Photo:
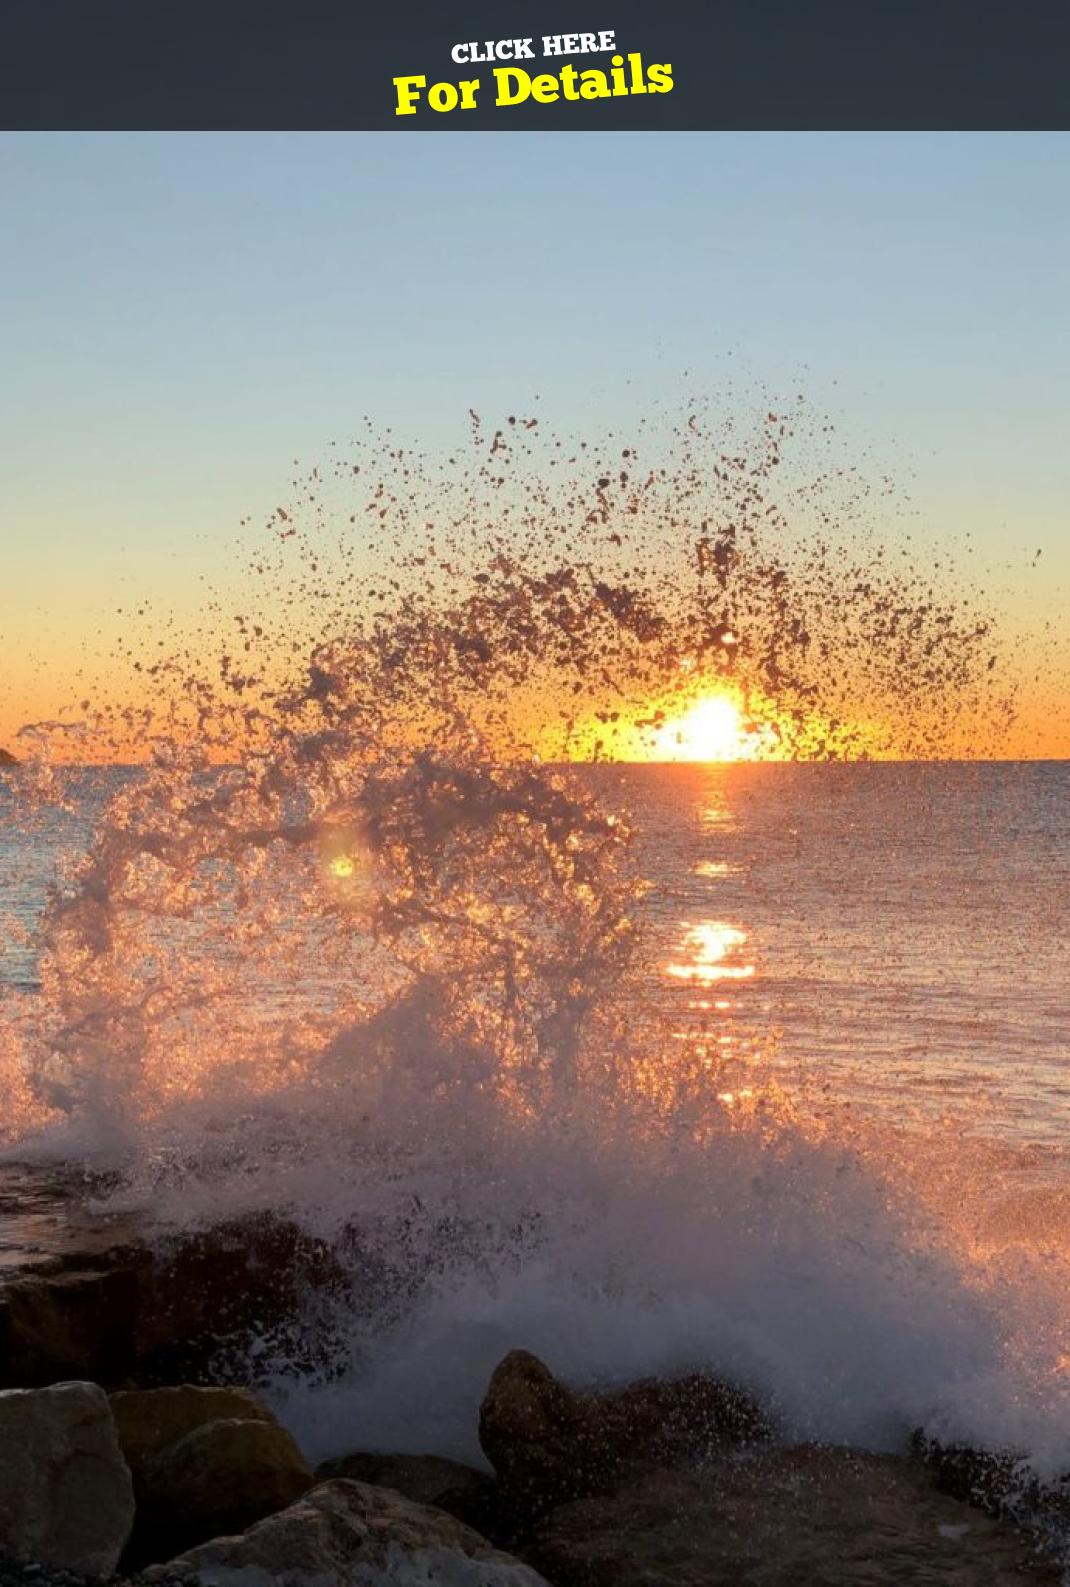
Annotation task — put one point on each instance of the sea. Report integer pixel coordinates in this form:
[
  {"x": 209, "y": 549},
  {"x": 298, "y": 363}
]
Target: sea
[
  {"x": 858, "y": 1199},
  {"x": 896, "y": 933}
]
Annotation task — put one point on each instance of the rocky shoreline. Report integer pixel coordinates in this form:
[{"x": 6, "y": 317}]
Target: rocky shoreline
[
  {"x": 105, "y": 1299},
  {"x": 126, "y": 1456},
  {"x": 680, "y": 1482}
]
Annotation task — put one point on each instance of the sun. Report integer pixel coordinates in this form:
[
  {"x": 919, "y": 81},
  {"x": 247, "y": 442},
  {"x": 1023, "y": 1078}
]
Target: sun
[{"x": 711, "y": 730}]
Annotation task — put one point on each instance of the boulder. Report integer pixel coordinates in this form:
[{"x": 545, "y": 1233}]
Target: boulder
[
  {"x": 100, "y": 1297},
  {"x": 783, "y": 1518},
  {"x": 347, "y": 1534},
  {"x": 218, "y": 1478},
  {"x": 72, "y": 1323},
  {"x": 1002, "y": 1482},
  {"x": 150, "y": 1420},
  {"x": 66, "y": 1498},
  {"x": 469, "y": 1495},
  {"x": 549, "y": 1443},
  {"x": 206, "y": 1296},
  {"x": 998, "y": 1482}
]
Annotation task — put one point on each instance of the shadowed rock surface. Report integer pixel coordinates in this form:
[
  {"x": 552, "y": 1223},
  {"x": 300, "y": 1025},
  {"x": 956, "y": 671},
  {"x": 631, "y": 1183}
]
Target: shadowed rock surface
[
  {"x": 999, "y": 1482},
  {"x": 549, "y": 1443},
  {"x": 78, "y": 1323},
  {"x": 44, "y": 1222},
  {"x": 218, "y": 1479},
  {"x": 66, "y": 1499},
  {"x": 804, "y": 1517},
  {"x": 106, "y": 1299},
  {"x": 346, "y": 1534},
  {"x": 469, "y": 1495},
  {"x": 149, "y": 1420}
]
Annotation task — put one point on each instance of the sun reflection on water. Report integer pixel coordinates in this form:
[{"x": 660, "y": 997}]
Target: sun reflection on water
[{"x": 713, "y": 953}]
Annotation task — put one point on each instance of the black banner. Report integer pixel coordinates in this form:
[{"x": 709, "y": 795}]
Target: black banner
[{"x": 335, "y": 65}]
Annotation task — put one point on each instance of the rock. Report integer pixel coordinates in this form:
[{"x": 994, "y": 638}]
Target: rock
[
  {"x": 66, "y": 1498},
  {"x": 347, "y": 1534},
  {"x": 471, "y": 1496},
  {"x": 69, "y": 1281},
  {"x": 1000, "y": 1482},
  {"x": 218, "y": 1478},
  {"x": 7, "y": 759},
  {"x": 549, "y": 1444},
  {"x": 993, "y": 1482},
  {"x": 149, "y": 1420},
  {"x": 104, "y": 1298},
  {"x": 804, "y": 1517},
  {"x": 71, "y": 1323},
  {"x": 205, "y": 1296}
]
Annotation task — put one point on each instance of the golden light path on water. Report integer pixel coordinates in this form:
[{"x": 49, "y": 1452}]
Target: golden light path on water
[
  {"x": 711, "y": 973},
  {"x": 710, "y": 944},
  {"x": 712, "y": 952}
]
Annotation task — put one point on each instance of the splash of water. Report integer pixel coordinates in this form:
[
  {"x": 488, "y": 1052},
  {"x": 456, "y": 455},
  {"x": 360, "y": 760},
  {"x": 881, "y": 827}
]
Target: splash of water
[{"x": 348, "y": 949}]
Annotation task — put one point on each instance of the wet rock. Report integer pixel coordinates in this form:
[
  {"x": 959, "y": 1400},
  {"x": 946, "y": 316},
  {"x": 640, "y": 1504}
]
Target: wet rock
[
  {"x": 66, "y": 1499},
  {"x": 69, "y": 1281},
  {"x": 44, "y": 1220},
  {"x": 220, "y": 1477},
  {"x": 347, "y": 1534},
  {"x": 785, "y": 1518},
  {"x": 90, "y": 1300},
  {"x": 76, "y": 1323},
  {"x": 996, "y": 1482},
  {"x": 548, "y": 1443},
  {"x": 1000, "y": 1482},
  {"x": 204, "y": 1297},
  {"x": 469, "y": 1495},
  {"x": 105, "y": 1296},
  {"x": 29, "y": 1573},
  {"x": 150, "y": 1420}
]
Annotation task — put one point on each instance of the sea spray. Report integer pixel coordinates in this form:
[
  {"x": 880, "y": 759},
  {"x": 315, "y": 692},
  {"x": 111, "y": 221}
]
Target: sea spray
[{"x": 347, "y": 949}]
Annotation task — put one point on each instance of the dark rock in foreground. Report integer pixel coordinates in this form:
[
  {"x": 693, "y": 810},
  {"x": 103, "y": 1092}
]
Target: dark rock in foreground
[
  {"x": 468, "y": 1495},
  {"x": 76, "y": 1323},
  {"x": 95, "y": 1301},
  {"x": 150, "y": 1420},
  {"x": 219, "y": 1479},
  {"x": 204, "y": 1461},
  {"x": 683, "y": 1488},
  {"x": 66, "y": 1498},
  {"x": 999, "y": 1482},
  {"x": 346, "y": 1534},
  {"x": 804, "y": 1517},
  {"x": 549, "y": 1443}
]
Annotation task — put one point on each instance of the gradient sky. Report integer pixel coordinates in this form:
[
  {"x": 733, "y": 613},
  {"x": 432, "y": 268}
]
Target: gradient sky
[{"x": 185, "y": 314}]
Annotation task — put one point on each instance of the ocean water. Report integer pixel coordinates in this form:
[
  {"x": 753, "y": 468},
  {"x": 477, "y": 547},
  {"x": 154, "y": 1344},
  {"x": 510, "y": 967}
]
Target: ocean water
[
  {"x": 895, "y": 935},
  {"x": 901, "y": 930},
  {"x": 807, "y": 1128}
]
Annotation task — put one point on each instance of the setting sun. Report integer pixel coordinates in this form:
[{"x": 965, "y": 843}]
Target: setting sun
[{"x": 711, "y": 730}]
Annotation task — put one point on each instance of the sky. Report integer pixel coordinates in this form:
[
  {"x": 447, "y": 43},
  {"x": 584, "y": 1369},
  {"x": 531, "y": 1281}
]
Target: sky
[{"x": 186, "y": 314}]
